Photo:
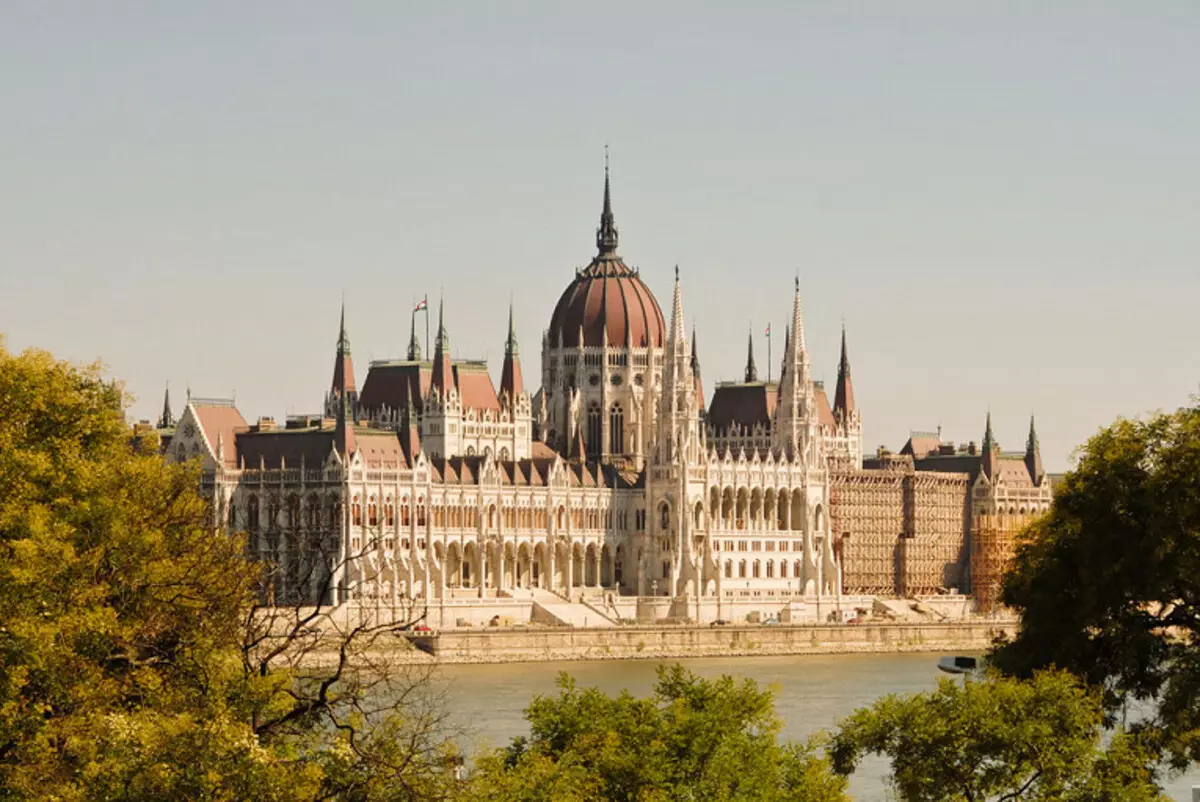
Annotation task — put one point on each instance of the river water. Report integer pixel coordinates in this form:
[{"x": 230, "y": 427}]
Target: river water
[{"x": 812, "y": 693}]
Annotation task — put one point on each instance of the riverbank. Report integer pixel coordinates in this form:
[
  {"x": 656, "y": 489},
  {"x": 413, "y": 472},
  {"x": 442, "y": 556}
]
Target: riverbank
[{"x": 678, "y": 642}]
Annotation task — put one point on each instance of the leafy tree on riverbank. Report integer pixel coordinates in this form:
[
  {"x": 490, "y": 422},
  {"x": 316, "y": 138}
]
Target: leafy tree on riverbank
[
  {"x": 999, "y": 739},
  {"x": 1108, "y": 583},
  {"x": 134, "y": 661},
  {"x": 692, "y": 739}
]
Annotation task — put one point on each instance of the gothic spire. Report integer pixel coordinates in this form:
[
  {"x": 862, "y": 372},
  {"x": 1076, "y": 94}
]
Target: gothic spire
[
  {"x": 343, "y": 366},
  {"x": 414, "y": 344},
  {"x": 751, "y": 370},
  {"x": 443, "y": 373},
  {"x": 343, "y": 344},
  {"x": 1033, "y": 454},
  {"x": 696, "y": 373},
  {"x": 168, "y": 418},
  {"x": 991, "y": 451},
  {"x": 843, "y": 399},
  {"x": 606, "y": 234},
  {"x": 511, "y": 384}
]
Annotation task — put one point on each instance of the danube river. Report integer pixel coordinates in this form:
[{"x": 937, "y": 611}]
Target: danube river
[{"x": 811, "y": 694}]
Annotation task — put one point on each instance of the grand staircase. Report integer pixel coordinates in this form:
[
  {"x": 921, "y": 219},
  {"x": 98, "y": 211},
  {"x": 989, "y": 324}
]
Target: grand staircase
[{"x": 550, "y": 608}]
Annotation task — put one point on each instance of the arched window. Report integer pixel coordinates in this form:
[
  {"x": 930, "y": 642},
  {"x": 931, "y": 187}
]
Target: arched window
[
  {"x": 665, "y": 515},
  {"x": 783, "y": 568},
  {"x": 356, "y": 511},
  {"x": 770, "y": 569},
  {"x": 729, "y": 569},
  {"x": 594, "y": 430},
  {"x": 666, "y": 570},
  {"x": 757, "y": 569},
  {"x": 372, "y": 512},
  {"x": 504, "y": 454},
  {"x": 796, "y": 570},
  {"x": 314, "y": 512},
  {"x": 421, "y": 511},
  {"x": 616, "y": 429},
  {"x": 293, "y": 512},
  {"x": 273, "y": 513},
  {"x": 389, "y": 512},
  {"x": 252, "y": 514},
  {"x": 404, "y": 520},
  {"x": 742, "y": 569},
  {"x": 232, "y": 515}
]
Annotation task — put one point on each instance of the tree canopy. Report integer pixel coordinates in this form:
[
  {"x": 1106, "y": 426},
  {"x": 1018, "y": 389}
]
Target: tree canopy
[
  {"x": 692, "y": 739},
  {"x": 133, "y": 661},
  {"x": 998, "y": 739},
  {"x": 1107, "y": 584}
]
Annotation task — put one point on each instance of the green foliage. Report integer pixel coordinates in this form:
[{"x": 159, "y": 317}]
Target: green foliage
[
  {"x": 133, "y": 662},
  {"x": 1108, "y": 583},
  {"x": 1036, "y": 739},
  {"x": 693, "y": 739}
]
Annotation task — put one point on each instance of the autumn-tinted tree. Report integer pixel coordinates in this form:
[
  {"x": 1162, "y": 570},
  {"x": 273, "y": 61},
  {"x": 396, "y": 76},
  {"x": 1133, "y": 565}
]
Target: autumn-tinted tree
[
  {"x": 134, "y": 661},
  {"x": 998, "y": 739},
  {"x": 692, "y": 739},
  {"x": 1108, "y": 583}
]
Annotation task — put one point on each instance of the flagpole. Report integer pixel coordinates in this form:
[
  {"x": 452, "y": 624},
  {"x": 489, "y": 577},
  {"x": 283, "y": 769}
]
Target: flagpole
[{"x": 428, "y": 353}]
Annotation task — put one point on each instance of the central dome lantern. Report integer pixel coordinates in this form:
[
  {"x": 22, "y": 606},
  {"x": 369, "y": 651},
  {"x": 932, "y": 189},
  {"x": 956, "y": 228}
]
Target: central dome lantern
[{"x": 607, "y": 303}]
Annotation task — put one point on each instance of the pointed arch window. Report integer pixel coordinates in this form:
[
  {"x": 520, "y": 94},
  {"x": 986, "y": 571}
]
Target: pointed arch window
[
  {"x": 616, "y": 429},
  {"x": 356, "y": 511},
  {"x": 594, "y": 430}
]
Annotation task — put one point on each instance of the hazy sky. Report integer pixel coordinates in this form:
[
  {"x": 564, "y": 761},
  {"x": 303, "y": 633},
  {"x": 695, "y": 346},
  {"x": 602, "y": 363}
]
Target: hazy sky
[{"x": 1002, "y": 200}]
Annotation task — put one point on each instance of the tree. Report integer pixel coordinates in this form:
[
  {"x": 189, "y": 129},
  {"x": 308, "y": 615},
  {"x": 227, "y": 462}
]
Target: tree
[
  {"x": 999, "y": 739},
  {"x": 692, "y": 739},
  {"x": 135, "y": 661},
  {"x": 1107, "y": 584}
]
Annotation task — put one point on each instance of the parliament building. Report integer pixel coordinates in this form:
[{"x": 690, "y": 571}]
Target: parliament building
[{"x": 612, "y": 492}]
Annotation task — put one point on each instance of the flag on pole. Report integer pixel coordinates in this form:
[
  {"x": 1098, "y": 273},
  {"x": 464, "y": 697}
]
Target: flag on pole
[
  {"x": 422, "y": 305},
  {"x": 768, "y": 329}
]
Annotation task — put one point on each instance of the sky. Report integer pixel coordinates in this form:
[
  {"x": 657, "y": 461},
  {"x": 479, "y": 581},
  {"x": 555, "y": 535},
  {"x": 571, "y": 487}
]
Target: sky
[{"x": 1001, "y": 201}]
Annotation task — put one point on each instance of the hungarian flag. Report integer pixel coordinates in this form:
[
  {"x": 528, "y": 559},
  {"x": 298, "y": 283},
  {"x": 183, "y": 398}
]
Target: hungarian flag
[
  {"x": 768, "y": 329},
  {"x": 422, "y": 305}
]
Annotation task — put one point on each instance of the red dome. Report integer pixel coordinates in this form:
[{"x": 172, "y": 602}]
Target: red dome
[{"x": 607, "y": 296}]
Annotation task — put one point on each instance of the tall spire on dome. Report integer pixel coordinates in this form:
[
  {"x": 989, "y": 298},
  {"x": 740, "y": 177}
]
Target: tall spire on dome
[
  {"x": 606, "y": 234},
  {"x": 843, "y": 399},
  {"x": 414, "y": 344},
  {"x": 511, "y": 383},
  {"x": 751, "y": 370}
]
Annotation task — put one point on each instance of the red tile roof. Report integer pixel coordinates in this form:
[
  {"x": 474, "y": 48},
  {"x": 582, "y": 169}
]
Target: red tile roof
[
  {"x": 824, "y": 413},
  {"x": 221, "y": 422}
]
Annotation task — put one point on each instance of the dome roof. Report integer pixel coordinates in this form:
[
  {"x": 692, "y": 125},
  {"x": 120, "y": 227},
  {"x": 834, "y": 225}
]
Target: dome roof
[{"x": 607, "y": 301}]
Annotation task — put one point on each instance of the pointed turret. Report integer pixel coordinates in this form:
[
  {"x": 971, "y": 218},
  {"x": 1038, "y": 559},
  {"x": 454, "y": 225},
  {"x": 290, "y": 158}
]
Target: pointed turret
[
  {"x": 696, "y": 373},
  {"x": 443, "y": 373},
  {"x": 796, "y": 414},
  {"x": 343, "y": 366},
  {"x": 342, "y": 387},
  {"x": 511, "y": 384},
  {"x": 751, "y": 370},
  {"x": 679, "y": 411},
  {"x": 606, "y": 234},
  {"x": 843, "y": 399},
  {"x": 1033, "y": 454},
  {"x": 991, "y": 451},
  {"x": 167, "y": 419},
  {"x": 414, "y": 344}
]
